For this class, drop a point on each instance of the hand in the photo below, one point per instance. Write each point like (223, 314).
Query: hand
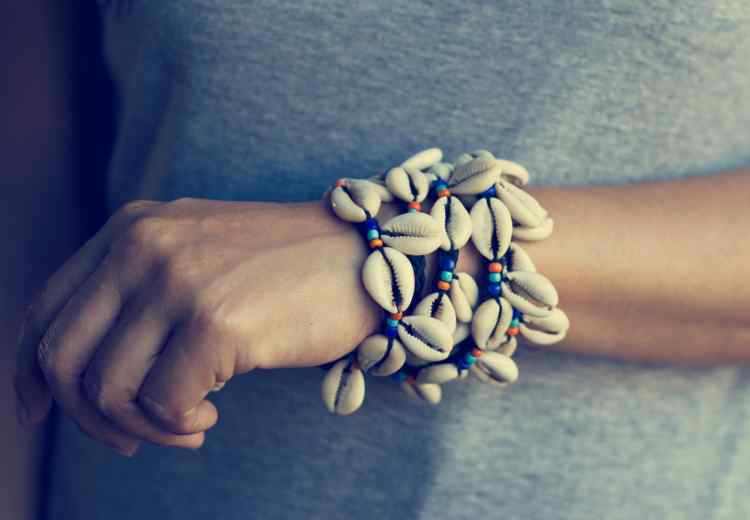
(169, 299)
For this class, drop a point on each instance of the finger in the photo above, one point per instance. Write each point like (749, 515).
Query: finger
(33, 397)
(67, 346)
(120, 365)
(175, 388)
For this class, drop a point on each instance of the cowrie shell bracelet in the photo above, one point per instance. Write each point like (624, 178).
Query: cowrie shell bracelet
(448, 333)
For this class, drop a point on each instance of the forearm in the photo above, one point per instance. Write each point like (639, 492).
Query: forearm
(654, 271)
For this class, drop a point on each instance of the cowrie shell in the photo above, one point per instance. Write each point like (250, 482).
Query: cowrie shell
(530, 293)
(343, 388)
(423, 393)
(513, 172)
(491, 321)
(492, 228)
(412, 233)
(427, 338)
(545, 330)
(441, 170)
(375, 183)
(407, 184)
(517, 259)
(464, 294)
(388, 278)
(463, 331)
(414, 361)
(483, 153)
(462, 159)
(544, 230)
(492, 367)
(455, 221)
(374, 356)
(524, 209)
(507, 348)
(437, 305)
(355, 202)
(438, 374)
(474, 177)
(424, 159)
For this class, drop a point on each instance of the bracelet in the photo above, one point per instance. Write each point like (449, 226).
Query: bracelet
(448, 334)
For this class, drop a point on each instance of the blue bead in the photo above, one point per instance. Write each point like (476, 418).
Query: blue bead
(514, 322)
(446, 276)
(447, 264)
(399, 376)
(371, 223)
(462, 365)
(491, 192)
(391, 332)
(372, 234)
(517, 314)
(494, 289)
(494, 277)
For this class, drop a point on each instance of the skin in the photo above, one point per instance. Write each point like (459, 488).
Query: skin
(171, 298)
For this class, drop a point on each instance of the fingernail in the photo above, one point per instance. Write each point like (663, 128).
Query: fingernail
(127, 452)
(22, 414)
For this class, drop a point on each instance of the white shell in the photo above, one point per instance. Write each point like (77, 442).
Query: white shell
(474, 177)
(508, 348)
(530, 293)
(464, 294)
(389, 279)
(438, 374)
(353, 201)
(492, 228)
(423, 393)
(463, 331)
(412, 233)
(424, 159)
(513, 172)
(544, 230)
(427, 338)
(374, 183)
(525, 209)
(415, 361)
(407, 184)
(343, 388)
(374, 351)
(517, 259)
(545, 330)
(491, 321)
(437, 305)
(441, 170)
(462, 159)
(494, 367)
(455, 221)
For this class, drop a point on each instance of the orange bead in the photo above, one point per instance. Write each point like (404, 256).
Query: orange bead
(376, 243)
(477, 352)
(443, 286)
(513, 331)
(444, 193)
(415, 205)
(397, 316)
(495, 267)
(340, 183)
(410, 380)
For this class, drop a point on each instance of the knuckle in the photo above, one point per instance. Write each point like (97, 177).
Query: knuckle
(146, 236)
(179, 418)
(106, 398)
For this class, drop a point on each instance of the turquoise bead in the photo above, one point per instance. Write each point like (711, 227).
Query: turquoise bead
(495, 277)
(470, 360)
(392, 323)
(399, 376)
(373, 234)
(412, 210)
(446, 276)
(514, 322)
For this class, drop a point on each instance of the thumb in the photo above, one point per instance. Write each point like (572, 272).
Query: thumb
(33, 398)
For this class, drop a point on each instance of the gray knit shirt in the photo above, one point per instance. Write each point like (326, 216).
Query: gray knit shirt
(275, 99)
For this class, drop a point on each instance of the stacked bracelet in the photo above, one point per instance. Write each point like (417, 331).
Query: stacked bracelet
(446, 335)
